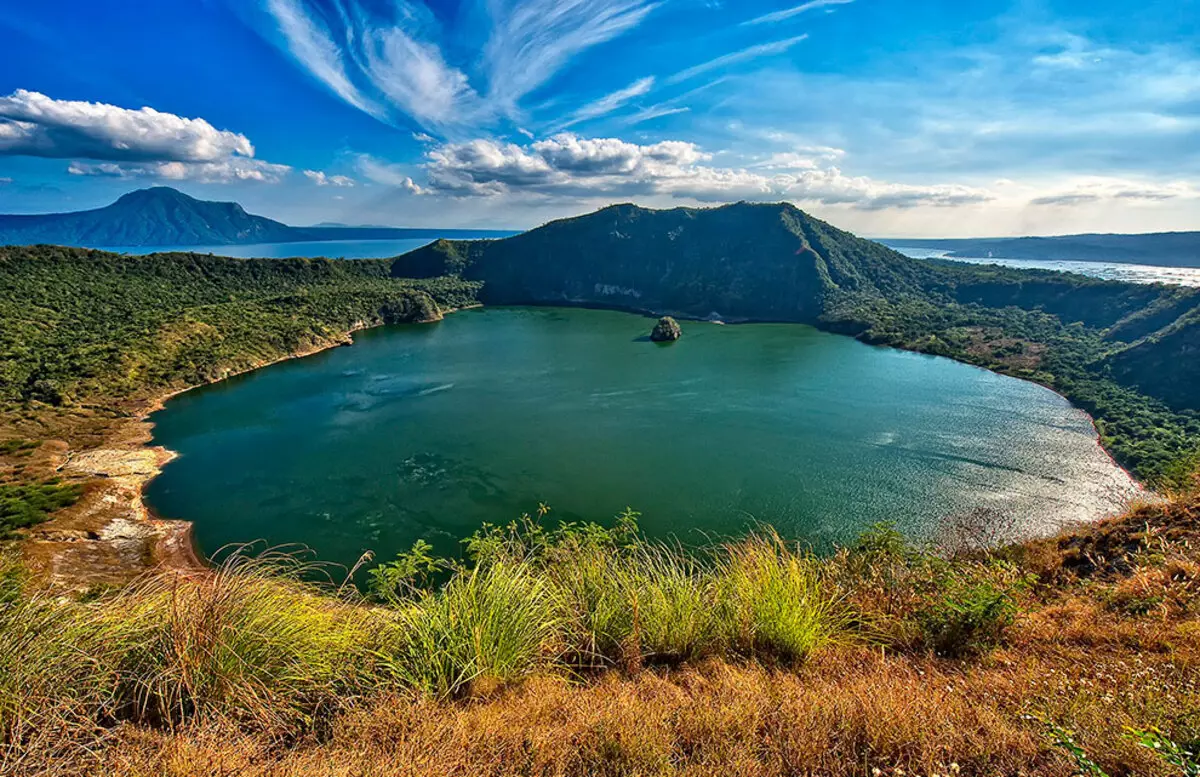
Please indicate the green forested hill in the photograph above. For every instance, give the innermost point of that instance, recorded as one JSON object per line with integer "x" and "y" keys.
{"x": 80, "y": 324}
{"x": 1118, "y": 350}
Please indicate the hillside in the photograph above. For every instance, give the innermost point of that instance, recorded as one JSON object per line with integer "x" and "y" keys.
{"x": 775, "y": 262}
{"x": 1166, "y": 249}
{"x": 164, "y": 217}
{"x": 89, "y": 325}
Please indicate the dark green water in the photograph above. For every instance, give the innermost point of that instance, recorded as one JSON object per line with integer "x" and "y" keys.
{"x": 429, "y": 431}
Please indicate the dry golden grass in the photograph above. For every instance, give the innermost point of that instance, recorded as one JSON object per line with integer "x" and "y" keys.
{"x": 1085, "y": 652}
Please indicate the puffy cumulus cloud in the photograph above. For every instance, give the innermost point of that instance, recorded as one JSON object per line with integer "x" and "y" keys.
{"x": 227, "y": 171}
{"x": 320, "y": 178}
{"x": 32, "y": 124}
{"x": 568, "y": 165}
{"x": 127, "y": 143}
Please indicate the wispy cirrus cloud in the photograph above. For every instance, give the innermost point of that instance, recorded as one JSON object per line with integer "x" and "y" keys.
{"x": 389, "y": 60}
{"x": 310, "y": 41}
{"x": 788, "y": 13}
{"x": 532, "y": 40}
{"x": 609, "y": 103}
{"x": 736, "y": 57}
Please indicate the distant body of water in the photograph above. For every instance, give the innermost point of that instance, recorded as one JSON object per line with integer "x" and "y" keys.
{"x": 428, "y": 431}
{"x": 333, "y": 249}
{"x": 1109, "y": 271}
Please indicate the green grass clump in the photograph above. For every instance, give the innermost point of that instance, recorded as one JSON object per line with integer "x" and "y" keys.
{"x": 247, "y": 642}
{"x": 28, "y": 504}
{"x": 777, "y": 604}
{"x": 491, "y": 624}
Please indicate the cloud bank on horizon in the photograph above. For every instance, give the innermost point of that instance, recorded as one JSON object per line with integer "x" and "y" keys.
{"x": 922, "y": 118}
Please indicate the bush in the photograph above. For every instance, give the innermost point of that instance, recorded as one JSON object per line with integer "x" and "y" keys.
{"x": 25, "y": 505}
{"x": 967, "y": 616}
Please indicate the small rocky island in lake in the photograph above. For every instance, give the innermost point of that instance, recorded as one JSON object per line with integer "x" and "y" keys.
{"x": 666, "y": 330}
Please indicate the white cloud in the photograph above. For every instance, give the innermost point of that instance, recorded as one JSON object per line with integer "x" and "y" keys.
{"x": 322, "y": 179}
{"x": 127, "y": 143}
{"x": 609, "y": 103}
{"x": 745, "y": 55}
{"x": 387, "y": 174}
{"x": 386, "y": 59}
{"x": 532, "y": 40}
{"x": 227, "y": 171}
{"x": 570, "y": 166}
{"x": 33, "y": 124}
{"x": 312, "y": 45}
{"x": 788, "y": 13}
{"x": 1097, "y": 190}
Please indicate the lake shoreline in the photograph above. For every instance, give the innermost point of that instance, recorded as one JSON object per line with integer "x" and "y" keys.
{"x": 112, "y": 535}
{"x": 168, "y": 544}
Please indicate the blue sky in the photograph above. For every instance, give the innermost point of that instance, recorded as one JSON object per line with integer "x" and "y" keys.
{"x": 916, "y": 118}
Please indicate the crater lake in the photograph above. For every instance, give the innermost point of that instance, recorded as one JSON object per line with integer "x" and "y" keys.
{"x": 428, "y": 431}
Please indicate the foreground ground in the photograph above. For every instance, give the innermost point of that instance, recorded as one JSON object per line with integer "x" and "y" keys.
{"x": 880, "y": 658}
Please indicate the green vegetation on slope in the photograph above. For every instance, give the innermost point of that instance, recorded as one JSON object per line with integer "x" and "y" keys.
{"x": 26, "y": 504}
{"x": 1118, "y": 350}
{"x": 85, "y": 325}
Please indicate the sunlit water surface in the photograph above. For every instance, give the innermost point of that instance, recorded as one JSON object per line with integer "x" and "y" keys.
{"x": 1110, "y": 271}
{"x": 428, "y": 431}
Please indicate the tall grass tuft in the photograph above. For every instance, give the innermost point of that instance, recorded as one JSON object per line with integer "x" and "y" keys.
{"x": 249, "y": 641}
{"x": 490, "y": 625}
{"x": 774, "y": 602}
{"x": 646, "y": 602}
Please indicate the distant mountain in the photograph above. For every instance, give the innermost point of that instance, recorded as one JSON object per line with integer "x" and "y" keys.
{"x": 1167, "y": 249}
{"x": 158, "y": 216}
{"x": 162, "y": 216}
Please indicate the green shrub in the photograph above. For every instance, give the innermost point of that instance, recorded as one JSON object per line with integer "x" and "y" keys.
{"x": 25, "y": 505}
{"x": 966, "y": 616}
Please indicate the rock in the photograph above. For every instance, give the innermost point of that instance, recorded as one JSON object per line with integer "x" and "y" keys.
{"x": 666, "y": 330}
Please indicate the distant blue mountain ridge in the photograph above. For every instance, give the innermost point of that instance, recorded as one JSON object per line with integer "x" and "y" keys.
{"x": 162, "y": 216}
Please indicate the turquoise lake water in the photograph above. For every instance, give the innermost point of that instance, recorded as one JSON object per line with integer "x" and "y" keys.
{"x": 427, "y": 431}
